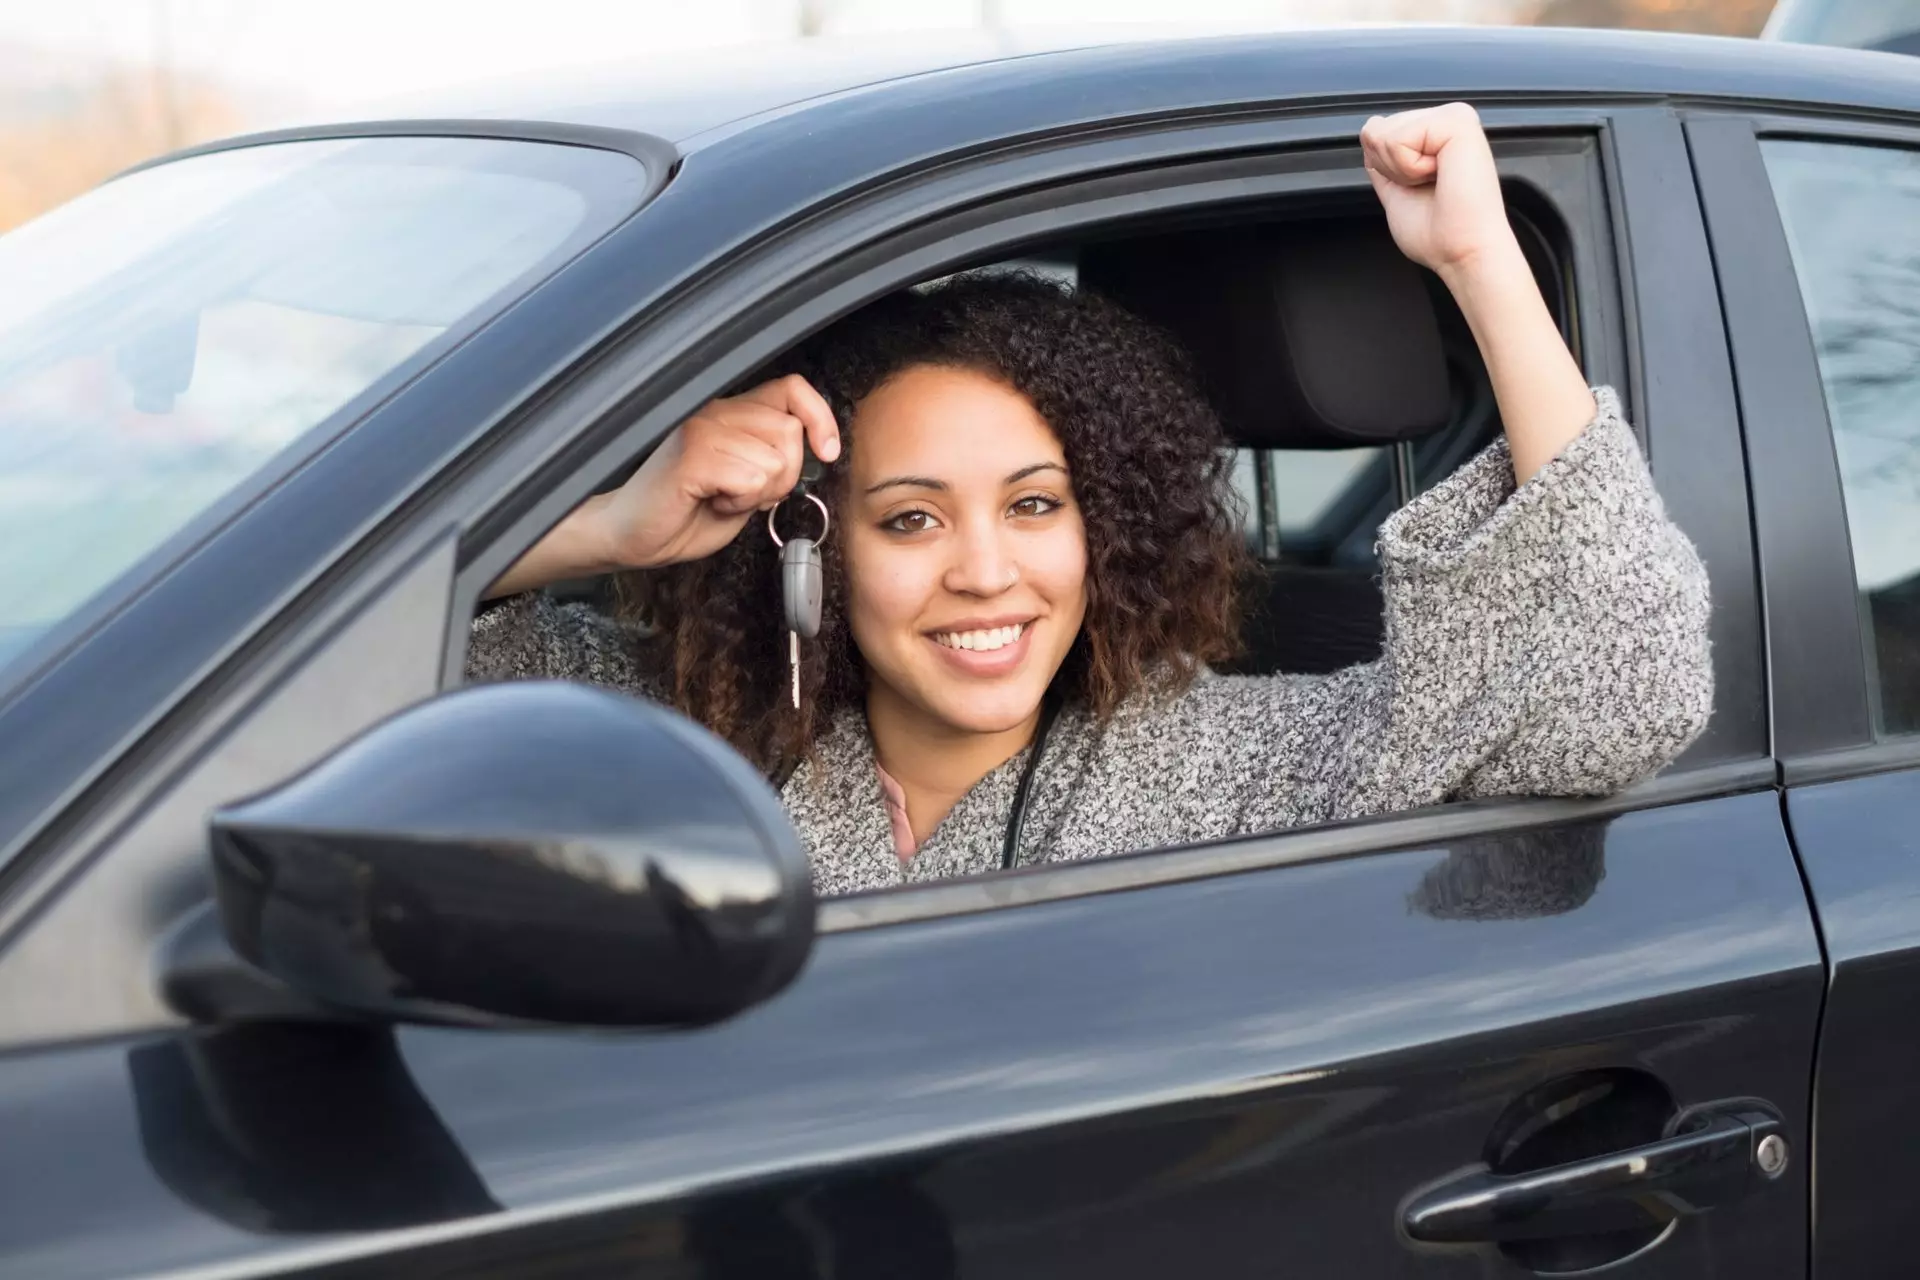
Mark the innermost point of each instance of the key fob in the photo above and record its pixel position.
(811, 468)
(802, 586)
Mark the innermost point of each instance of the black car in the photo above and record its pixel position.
(313, 964)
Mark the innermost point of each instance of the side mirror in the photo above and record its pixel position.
(520, 853)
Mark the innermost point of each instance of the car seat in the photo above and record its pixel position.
(1314, 334)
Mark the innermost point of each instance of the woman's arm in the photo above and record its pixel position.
(1435, 176)
(734, 457)
(1546, 624)
(1550, 639)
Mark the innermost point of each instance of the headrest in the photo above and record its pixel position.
(1307, 335)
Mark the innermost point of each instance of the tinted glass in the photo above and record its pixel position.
(166, 337)
(1324, 503)
(1853, 220)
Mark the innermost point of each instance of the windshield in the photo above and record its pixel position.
(169, 335)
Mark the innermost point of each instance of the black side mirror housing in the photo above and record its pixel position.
(511, 854)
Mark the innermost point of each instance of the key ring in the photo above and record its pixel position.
(826, 520)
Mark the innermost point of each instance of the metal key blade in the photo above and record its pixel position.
(793, 660)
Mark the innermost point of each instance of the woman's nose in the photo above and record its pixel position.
(983, 564)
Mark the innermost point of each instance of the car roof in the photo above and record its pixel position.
(694, 98)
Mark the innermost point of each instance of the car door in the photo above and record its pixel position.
(1489, 1039)
(1821, 274)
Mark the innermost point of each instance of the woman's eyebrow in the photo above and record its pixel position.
(918, 482)
(928, 482)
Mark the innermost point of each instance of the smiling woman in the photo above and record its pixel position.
(1038, 559)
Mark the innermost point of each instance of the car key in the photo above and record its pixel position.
(802, 580)
(801, 583)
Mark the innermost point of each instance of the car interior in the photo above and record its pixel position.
(1345, 376)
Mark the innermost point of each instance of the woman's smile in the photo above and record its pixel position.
(985, 649)
(981, 635)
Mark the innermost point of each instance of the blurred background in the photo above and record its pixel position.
(88, 87)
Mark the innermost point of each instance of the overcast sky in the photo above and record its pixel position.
(341, 51)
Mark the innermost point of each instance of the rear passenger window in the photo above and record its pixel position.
(1852, 215)
(1307, 506)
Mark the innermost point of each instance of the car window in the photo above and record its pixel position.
(166, 335)
(1852, 215)
(1312, 506)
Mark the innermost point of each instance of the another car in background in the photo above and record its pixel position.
(1890, 26)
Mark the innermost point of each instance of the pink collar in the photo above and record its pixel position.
(904, 845)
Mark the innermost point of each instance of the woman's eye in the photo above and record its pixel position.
(1035, 505)
(909, 522)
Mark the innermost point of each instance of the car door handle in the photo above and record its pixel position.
(1718, 1157)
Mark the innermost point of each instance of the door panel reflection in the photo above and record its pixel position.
(1520, 876)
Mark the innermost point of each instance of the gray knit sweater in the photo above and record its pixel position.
(1550, 640)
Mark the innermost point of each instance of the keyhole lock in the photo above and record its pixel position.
(1771, 1155)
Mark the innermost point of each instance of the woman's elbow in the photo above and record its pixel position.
(1660, 700)
(1677, 714)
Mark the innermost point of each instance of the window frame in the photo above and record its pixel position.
(136, 868)
(1084, 182)
(1820, 668)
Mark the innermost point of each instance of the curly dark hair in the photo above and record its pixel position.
(1149, 471)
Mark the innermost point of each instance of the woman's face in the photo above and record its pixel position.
(966, 553)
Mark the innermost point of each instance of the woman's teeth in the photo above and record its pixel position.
(980, 641)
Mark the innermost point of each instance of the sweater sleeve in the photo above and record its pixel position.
(1545, 640)
(534, 637)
